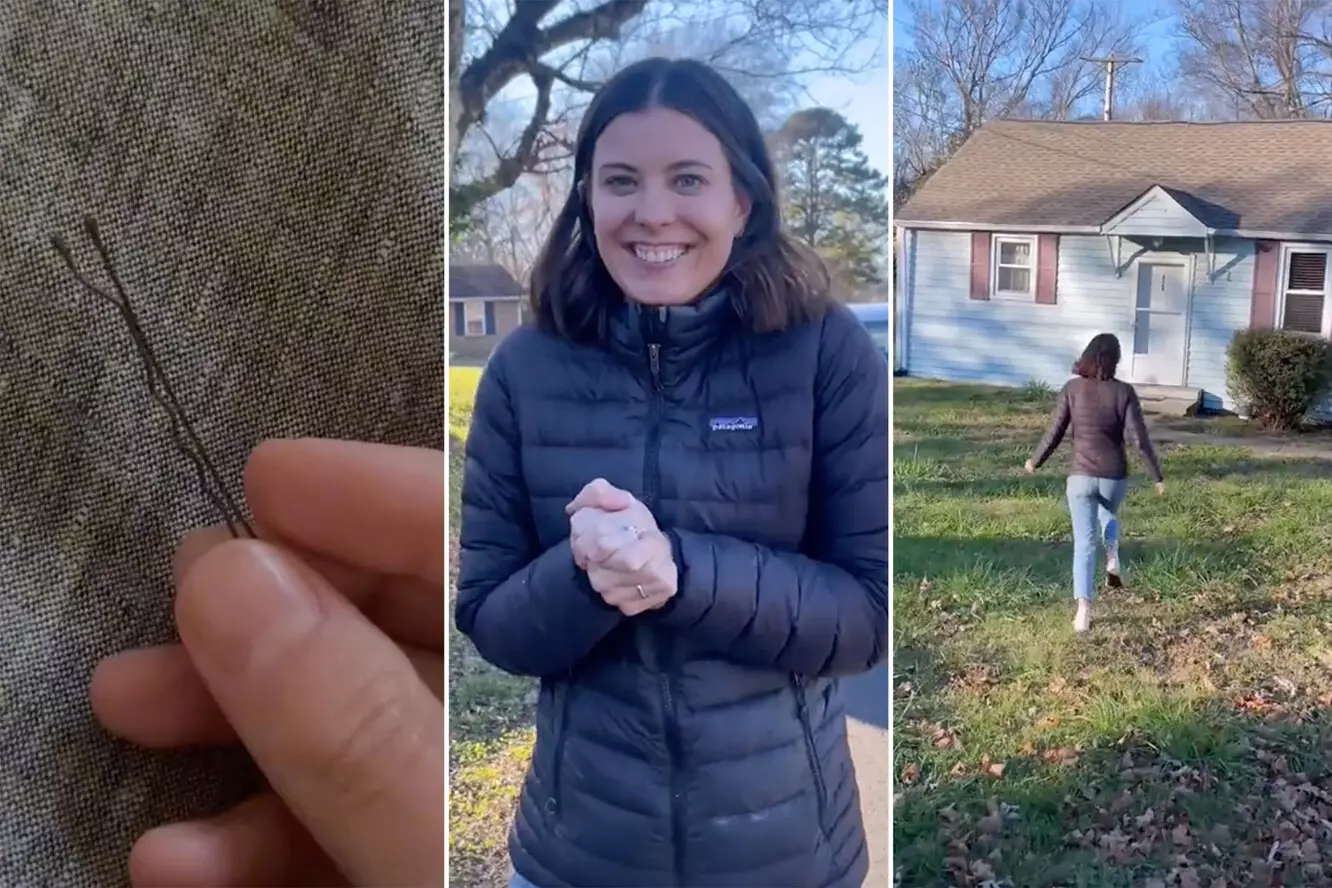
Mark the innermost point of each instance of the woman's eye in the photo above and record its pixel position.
(619, 182)
(689, 181)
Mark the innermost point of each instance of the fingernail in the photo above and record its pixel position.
(244, 603)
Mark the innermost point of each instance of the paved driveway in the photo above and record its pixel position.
(867, 726)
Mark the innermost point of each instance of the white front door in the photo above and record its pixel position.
(1160, 324)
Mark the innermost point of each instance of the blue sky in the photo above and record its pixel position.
(863, 101)
(1157, 49)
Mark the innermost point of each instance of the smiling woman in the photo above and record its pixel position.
(664, 226)
(674, 196)
(675, 513)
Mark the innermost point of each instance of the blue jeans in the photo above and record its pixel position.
(519, 882)
(1092, 502)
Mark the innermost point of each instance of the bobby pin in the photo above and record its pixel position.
(183, 434)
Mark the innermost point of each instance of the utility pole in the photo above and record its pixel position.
(1111, 63)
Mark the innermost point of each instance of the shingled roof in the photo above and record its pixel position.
(1260, 176)
(482, 282)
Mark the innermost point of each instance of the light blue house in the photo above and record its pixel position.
(1038, 235)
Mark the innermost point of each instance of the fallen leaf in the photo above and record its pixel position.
(910, 774)
(1062, 756)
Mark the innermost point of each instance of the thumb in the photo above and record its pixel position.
(600, 494)
(328, 706)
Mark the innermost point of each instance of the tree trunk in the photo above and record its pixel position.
(269, 176)
(457, 34)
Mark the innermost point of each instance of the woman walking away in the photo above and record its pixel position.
(675, 514)
(1100, 410)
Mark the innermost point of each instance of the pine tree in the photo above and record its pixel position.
(835, 201)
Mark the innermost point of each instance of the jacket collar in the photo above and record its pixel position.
(681, 333)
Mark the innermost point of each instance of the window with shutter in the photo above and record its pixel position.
(1304, 291)
(1013, 267)
(474, 318)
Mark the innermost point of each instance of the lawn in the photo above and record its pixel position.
(490, 713)
(1183, 742)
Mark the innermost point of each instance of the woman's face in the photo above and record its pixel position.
(665, 210)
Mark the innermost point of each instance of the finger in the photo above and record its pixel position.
(257, 843)
(370, 506)
(586, 520)
(408, 609)
(328, 706)
(639, 605)
(600, 494)
(633, 557)
(610, 545)
(630, 603)
(616, 587)
(154, 697)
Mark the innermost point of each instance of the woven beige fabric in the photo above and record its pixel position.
(269, 176)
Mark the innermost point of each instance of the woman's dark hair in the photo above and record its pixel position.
(773, 282)
(1100, 358)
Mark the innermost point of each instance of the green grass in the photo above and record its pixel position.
(490, 712)
(1182, 740)
(462, 392)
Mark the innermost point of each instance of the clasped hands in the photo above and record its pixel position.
(615, 539)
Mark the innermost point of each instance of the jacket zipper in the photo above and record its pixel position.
(560, 692)
(815, 766)
(651, 471)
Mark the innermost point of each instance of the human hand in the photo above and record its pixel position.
(319, 649)
(615, 538)
(603, 518)
(1030, 467)
(1160, 488)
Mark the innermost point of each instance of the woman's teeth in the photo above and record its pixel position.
(659, 255)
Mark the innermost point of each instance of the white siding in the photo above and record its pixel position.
(1220, 307)
(1001, 342)
(1159, 216)
(1004, 342)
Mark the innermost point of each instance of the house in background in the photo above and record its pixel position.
(485, 303)
(1038, 235)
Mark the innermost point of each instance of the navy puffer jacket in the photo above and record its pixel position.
(702, 744)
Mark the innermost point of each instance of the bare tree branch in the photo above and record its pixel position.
(764, 46)
(516, 163)
(971, 61)
(1260, 57)
(522, 42)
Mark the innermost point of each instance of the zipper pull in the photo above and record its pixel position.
(654, 363)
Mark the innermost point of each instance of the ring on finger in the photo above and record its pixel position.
(641, 593)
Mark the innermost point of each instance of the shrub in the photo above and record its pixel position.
(1280, 375)
(1038, 391)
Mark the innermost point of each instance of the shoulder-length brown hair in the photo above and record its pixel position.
(1100, 359)
(774, 283)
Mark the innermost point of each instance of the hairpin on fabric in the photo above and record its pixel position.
(159, 387)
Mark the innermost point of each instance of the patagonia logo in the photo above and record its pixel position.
(733, 423)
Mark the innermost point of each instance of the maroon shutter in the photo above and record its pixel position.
(1047, 268)
(1266, 270)
(980, 265)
